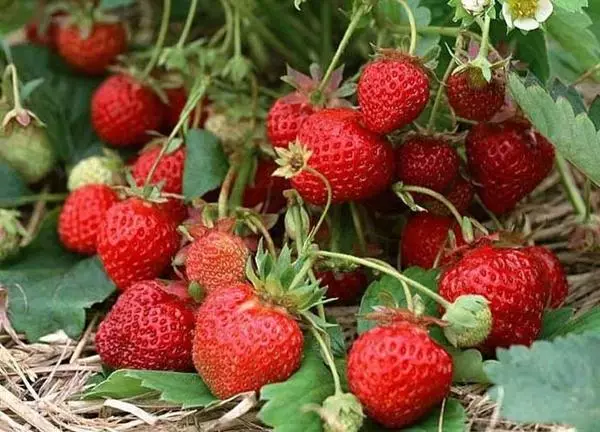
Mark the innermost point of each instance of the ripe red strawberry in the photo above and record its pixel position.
(35, 35)
(513, 283)
(507, 161)
(91, 53)
(216, 260)
(82, 215)
(177, 98)
(123, 110)
(553, 272)
(428, 162)
(392, 92)
(136, 242)
(472, 97)
(345, 286)
(242, 343)
(266, 189)
(147, 328)
(424, 237)
(398, 373)
(285, 119)
(357, 163)
(460, 194)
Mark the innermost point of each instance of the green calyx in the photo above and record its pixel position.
(342, 413)
(106, 170)
(469, 321)
(283, 282)
(11, 233)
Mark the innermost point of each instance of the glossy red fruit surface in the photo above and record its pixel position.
(285, 119)
(472, 97)
(460, 194)
(345, 286)
(554, 273)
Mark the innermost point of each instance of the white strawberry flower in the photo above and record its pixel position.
(475, 7)
(526, 14)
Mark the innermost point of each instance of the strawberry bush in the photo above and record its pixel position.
(203, 188)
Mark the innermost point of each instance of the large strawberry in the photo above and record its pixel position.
(266, 190)
(345, 286)
(148, 328)
(398, 372)
(554, 274)
(392, 92)
(424, 237)
(91, 50)
(507, 161)
(357, 163)
(512, 282)
(123, 110)
(472, 97)
(427, 161)
(82, 215)
(216, 260)
(136, 241)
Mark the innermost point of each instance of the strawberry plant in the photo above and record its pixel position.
(411, 209)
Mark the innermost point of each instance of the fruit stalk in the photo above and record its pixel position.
(484, 48)
(342, 46)
(373, 264)
(224, 192)
(570, 186)
(242, 179)
(258, 223)
(433, 194)
(413, 26)
(358, 227)
(162, 35)
(327, 205)
(328, 359)
(188, 24)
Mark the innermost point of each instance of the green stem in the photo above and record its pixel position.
(11, 69)
(297, 217)
(430, 30)
(237, 33)
(301, 275)
(228, 26)
(162, 35)
(342, 46)
(484, 48)
(188, 24)
(316, 228)
(433, 194)
(358, 227)
(258, 223)
(570, 186)
(224, 192)
(329, 360)
(387, 270)
(326, 18)
(413, 26)
(29, 199)
(239, 187)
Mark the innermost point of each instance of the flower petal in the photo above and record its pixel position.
(526, 23)
(544, 10)
(506, 12)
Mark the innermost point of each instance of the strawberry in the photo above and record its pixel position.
(232, 132)
(460, 194)
(392, 92)
(11, 234)
(513, 283)
(285, 119)
(507, 161)
(147, 328)
(216, 260)
(123, 110)
(557, 286)
(398, 372)
(357, 163)
(424, 237)
(82, 215)
(106, 170)
(345, 286)
(472, 97)
(177, 98)
(266, 190)
(428, 162)
(136, 241)
(91, 53)
(242, 343)
(36, 34)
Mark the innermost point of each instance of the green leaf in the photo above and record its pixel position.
(575, 137)
(311, 384)
(468, 366)
(588, 322)
(554, 320)
(454, 420)
(559, 90)
(15, 14)
(594, 113)
(13, 186)
(205, 164)
(184, 389)
(531, 48)
(571, 5)
(386, 288)
(550, 382)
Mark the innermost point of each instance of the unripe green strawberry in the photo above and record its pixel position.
(24, 145)
(232, 133)
(470, 321)
(11, 233)
(106, 170)
(342, 413)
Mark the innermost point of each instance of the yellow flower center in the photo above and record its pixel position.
(523, 8)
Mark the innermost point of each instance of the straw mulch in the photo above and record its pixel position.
(39, 383)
